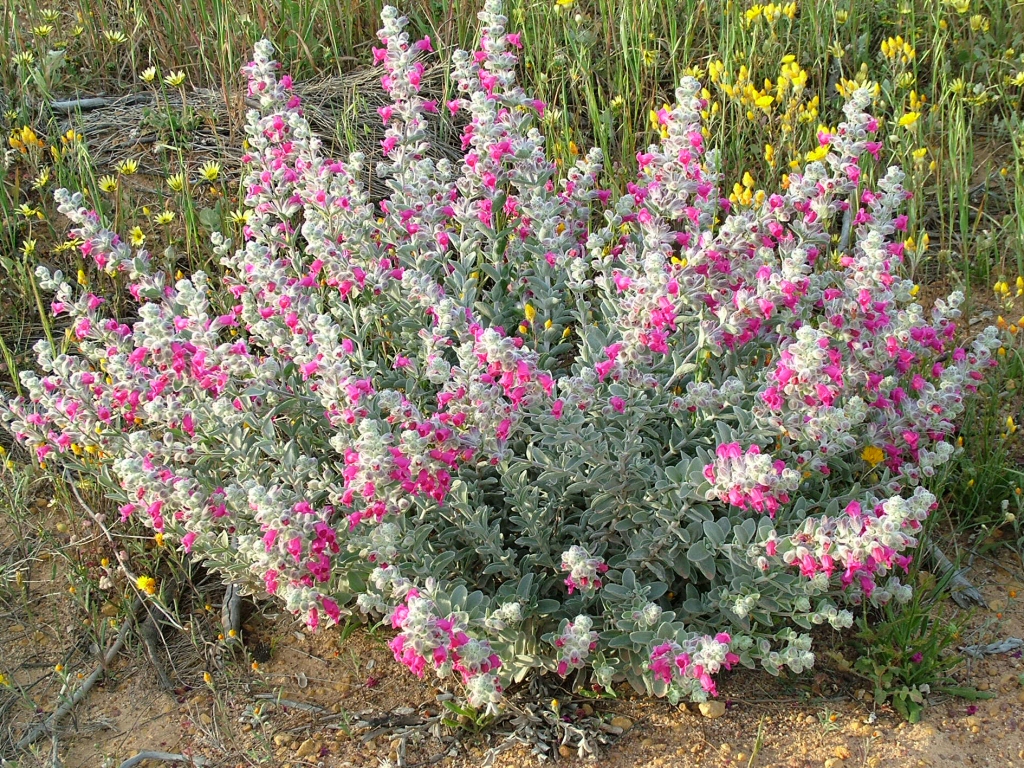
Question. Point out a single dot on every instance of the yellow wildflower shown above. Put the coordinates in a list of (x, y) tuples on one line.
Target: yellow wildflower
[(872, 455), (136, 236), (147, 584), (148, 75), (817, 154), (128, 167), (175, 79), (29, 211), (909, 119), (210, 170)]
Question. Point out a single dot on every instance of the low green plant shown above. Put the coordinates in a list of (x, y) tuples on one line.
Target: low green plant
[(908, 653)]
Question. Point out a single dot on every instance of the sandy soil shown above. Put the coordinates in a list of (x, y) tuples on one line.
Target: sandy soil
[(351, 695)]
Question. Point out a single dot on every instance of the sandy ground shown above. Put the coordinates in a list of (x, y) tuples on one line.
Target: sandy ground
[(350, 694)]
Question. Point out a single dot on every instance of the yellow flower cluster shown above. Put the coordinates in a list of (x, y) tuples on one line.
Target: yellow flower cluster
[(783, 97), (744, 194), (845, 88), (1007, 294), (896, 49), (24, 139), (770, 13)]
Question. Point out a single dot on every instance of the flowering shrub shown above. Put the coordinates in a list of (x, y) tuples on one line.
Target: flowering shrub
[(535, 425)]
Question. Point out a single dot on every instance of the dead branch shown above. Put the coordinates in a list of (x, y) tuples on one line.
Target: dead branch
[(98, 102), (961, 590), (49, 725), (165, 756)]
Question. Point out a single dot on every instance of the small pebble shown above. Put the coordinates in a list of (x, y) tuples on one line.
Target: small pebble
[(621, 722), (712, 709)]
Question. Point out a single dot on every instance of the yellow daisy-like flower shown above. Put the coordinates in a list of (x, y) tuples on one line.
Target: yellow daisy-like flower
[(239, 216), (128, 167), (147, 584), (210, 170), (24, 59), (43, 30), (115, 36), (108, 184), (29, 212), (176, 182), (41, 180), (148, 75), (136, 236), (164, 218), (175, 79), (873, 455)]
